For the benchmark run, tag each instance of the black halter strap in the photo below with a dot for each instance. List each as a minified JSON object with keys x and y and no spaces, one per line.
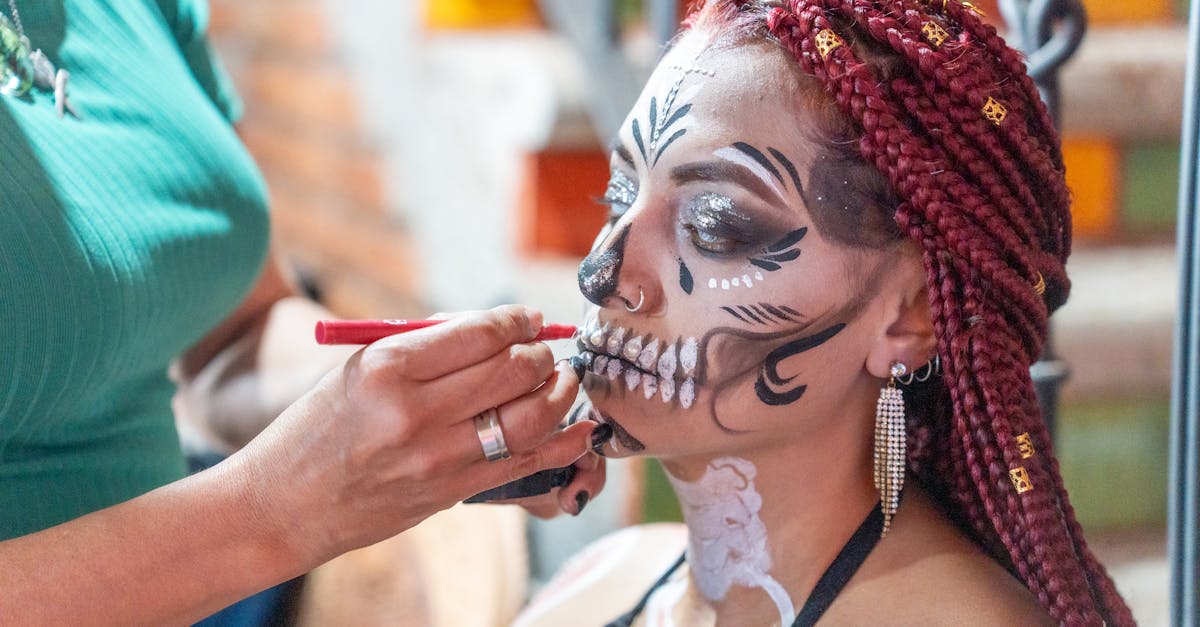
{"x":847,"y":562}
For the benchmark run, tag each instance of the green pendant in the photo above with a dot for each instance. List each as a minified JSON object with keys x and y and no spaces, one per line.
{"x":16,"y":68}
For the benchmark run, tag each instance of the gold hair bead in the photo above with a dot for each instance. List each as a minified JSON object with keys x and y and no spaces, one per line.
{"x":978,"y":11}
{"x":994,"y":111}
{"x":827,"y":41}
{"x":1020,"y":480}
{"x":1040,"y":286}
{"x":934,"y":33}
{"x":1025,"y":445}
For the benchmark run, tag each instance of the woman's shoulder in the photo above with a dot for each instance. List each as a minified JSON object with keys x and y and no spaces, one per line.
{"x":608,"y":577}
{"x":925,"y":572}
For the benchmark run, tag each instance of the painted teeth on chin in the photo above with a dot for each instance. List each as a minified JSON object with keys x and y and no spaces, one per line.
{"x":649,"y":356}
{"x":632,"y":349}
{"x":615,"y":341}
{"x":596,"y":339}
{"x":632,"y":379}
{"x":666,"y":364}
{"x":687,"y":356}
{"x":687,"y":393}
{"x":666,"y":390}
{"x":649,"y":385}
{"x":600,"y":364}
{"x":614,"y":369}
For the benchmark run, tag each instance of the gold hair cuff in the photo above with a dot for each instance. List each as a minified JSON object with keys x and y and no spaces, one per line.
{"x":994,"y":111}
{"x":827,"y":41}
{"x":1040,"y":286}
{"x":1020,"y":480}
{"x":1025,"y":445}
{"x":934,"y":33}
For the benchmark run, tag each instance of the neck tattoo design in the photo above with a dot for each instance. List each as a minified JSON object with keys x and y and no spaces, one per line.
{"x":727,"y":541}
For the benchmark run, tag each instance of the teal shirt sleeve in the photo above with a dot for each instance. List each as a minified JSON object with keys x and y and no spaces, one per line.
{"x":188,"y":20}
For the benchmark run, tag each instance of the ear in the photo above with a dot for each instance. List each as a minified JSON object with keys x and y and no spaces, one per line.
{"x":906,"y":327}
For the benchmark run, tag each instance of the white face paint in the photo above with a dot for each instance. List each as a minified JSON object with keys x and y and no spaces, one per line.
{"x":746,"y":280}
{"x":727,"y":541}
{"x":632,"y":359}
{"x":736,"y":156}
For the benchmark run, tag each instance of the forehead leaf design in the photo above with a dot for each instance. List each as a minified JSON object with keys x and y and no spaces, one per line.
{"x":662,"y":121}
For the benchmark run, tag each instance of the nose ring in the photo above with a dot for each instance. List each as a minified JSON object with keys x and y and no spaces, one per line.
{"x":641,"y":301}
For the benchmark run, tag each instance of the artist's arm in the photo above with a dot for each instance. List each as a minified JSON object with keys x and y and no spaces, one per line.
{"x":240,"y":376}
{"x":235,"y":381}
{"x":378,"y":445}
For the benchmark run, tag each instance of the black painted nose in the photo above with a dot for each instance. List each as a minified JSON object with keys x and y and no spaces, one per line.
{"x":600,"y":271}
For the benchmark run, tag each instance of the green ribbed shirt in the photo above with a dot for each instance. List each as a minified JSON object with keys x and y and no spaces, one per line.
{"x":124,"y":238}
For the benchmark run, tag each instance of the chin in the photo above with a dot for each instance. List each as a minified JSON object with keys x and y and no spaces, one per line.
{"x":600,"y":408}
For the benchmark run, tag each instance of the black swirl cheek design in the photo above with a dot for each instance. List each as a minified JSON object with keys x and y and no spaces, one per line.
{"x":786,"y":249}
{"x":769,"y":379}
{"x":600,"y":271}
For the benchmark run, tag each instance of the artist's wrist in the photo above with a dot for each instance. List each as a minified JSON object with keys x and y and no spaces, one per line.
{"x":266,"y":525}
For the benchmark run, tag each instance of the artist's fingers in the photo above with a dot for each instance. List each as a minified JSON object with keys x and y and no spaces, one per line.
{"x":531,"y":419}
{"x":561,"y":449}
{"x":510,"y":374}
{"x":590,"y":475}
{"x":433,"y":352}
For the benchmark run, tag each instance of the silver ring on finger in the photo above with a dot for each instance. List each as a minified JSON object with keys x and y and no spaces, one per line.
{"x":491,"y":436}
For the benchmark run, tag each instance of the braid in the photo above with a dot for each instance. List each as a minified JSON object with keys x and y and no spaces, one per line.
{"x":981,"y":190}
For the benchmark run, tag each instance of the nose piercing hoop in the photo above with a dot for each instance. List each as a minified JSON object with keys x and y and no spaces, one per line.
{"x":641,"y":301}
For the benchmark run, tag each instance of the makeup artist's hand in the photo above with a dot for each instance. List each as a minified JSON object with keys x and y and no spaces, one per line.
{"x":388,"y":439}
{"x":588,"y":480}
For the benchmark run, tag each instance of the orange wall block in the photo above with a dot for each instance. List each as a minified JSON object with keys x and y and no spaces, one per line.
{"x":1104,"y":12}
{"x":557,"y":211}
{"x":460,"y":14}
{"x":1093,"y":174}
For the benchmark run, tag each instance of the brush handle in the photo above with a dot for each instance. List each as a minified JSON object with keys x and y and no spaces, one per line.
{"x":367,"y":331}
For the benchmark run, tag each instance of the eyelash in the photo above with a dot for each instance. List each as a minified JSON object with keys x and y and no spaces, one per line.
{"x":725,"y":238}
{"x":621,"y":193}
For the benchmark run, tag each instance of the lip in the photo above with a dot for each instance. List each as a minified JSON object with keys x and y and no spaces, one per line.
{"x":633,"y":359}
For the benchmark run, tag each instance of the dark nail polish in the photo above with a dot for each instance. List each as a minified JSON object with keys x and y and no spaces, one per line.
{"x":601,"y":434}
{"x":581,"y":500}
{"x":578,"y":365}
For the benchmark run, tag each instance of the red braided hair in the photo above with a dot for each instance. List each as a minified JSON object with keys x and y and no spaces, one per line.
{"x":918,"y":86}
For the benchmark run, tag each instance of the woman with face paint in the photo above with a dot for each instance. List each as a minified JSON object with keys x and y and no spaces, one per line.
{"x":838,"y":228}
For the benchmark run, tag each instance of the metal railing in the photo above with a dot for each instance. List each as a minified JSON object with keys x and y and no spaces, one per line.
{"x":1183,"y":505}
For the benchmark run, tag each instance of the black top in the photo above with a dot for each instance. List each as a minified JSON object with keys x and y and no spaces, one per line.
{"x":828,"y":586}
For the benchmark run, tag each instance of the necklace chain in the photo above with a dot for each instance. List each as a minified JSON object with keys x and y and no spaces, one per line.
{"x":16,"y":16}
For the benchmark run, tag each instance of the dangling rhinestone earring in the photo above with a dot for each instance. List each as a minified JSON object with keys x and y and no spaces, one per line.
{"x":891,"y":445}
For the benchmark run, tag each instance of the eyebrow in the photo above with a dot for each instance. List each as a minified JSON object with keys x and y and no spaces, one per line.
{"x":727,"y":171}
{"x":621,"y":151}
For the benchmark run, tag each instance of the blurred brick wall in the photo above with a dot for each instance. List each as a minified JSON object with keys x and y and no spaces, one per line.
{"x":330,"y":205}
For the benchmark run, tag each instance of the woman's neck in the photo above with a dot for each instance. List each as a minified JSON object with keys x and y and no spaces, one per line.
{"x":764,"y":526}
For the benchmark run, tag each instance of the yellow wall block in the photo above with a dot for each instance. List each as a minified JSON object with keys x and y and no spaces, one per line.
{"x":453,"y":14}
{"x":1129,"y":11}
{"x":1093,"y":174}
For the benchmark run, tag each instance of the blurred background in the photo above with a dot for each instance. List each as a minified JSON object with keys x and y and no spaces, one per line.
{"x":443,"y":155}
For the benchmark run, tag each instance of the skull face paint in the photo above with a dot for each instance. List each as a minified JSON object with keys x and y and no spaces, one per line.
{"x":750,"y":309}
